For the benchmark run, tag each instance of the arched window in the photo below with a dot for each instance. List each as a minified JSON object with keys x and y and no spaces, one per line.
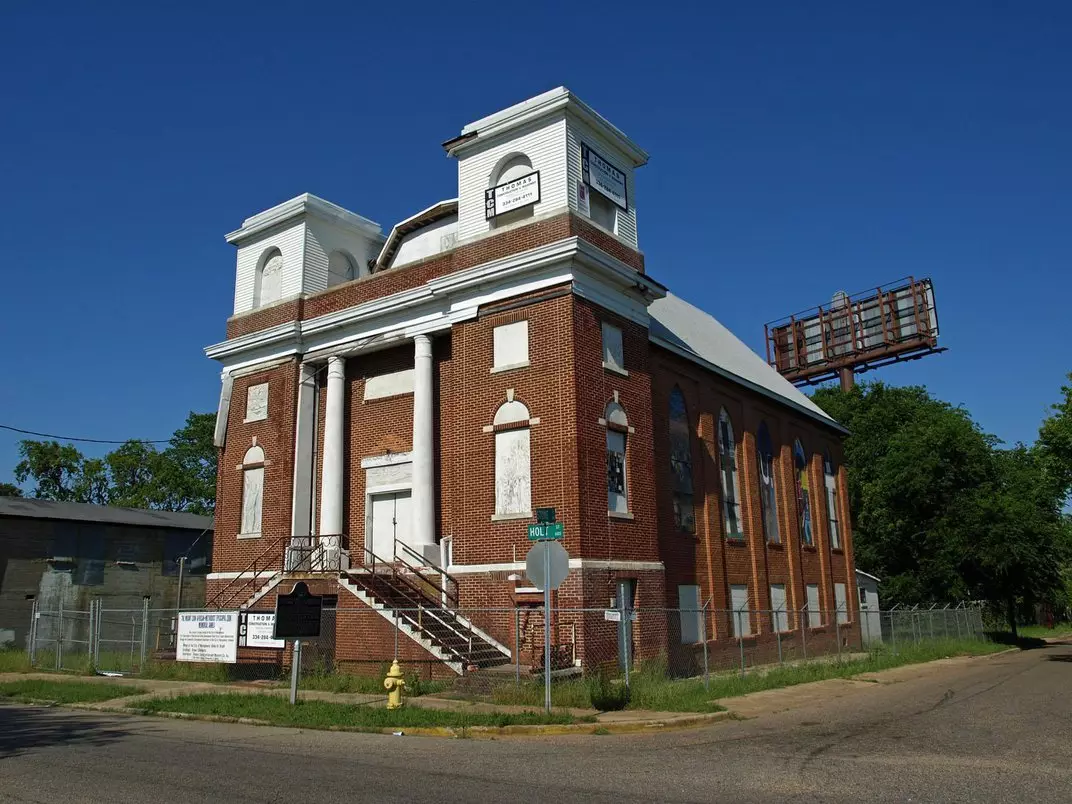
{"x":800,"y":464}
{"x":731,"y":488}
{"x":252,"y":490}
{"x":681,"y":462}
{"x":830,"y":481}
{"x":340,"y":268}
{"x":268,"y":283}
{"x":513,"y":472}
{"x":617,"y":478}
{"x":768,"y":499}
{"x":512,"y":167}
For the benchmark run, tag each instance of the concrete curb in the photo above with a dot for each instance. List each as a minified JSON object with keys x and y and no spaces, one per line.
{"x":456,"y":732}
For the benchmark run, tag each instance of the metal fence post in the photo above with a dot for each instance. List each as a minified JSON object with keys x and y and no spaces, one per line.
{"x":837,"y":632}
{"x":517,"y":647}
{"x":703,"y":632}
{"x":805,"y":623}
{"x":740,"y":638}
{"x":144,"y":632}
{"x":866,"y":617}
{"x":778,"y":635}
{"x":59,"y":640}
{"x":96,"y":637}
{"x":35,"y":614}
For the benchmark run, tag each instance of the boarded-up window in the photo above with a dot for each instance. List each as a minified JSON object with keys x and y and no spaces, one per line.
{"x":815,"y":612}
{"x":731,"y":488}
{"x":779,"y":612}
{"x":767,"y":496}
{"x":688,"y":603}
{"x":842,"y":601}
{"x":830,"y":481}
{"x":800,"y":465}
{"x":742,"y":618}
{"x":510,"y":344}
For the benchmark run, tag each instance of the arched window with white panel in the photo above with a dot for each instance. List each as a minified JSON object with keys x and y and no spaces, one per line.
{"x":268,"y":283}
{"x":731,"y":484}
{"x":341,"y":268}
{"x":617,"y":425}
{"x":513,"y":460}
{"x":510,"y":168}
{"x":252,"y":491}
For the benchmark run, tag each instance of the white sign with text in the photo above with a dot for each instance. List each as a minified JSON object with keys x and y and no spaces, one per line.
{"x":258,"y":630}
{"x":512,"y":195}
{"x":207,"y":636}
{"x":603,"y":177}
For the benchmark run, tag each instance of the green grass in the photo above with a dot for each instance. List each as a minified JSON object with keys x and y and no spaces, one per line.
{"x":652,"y":690}
{"x":369,"y":685}
{"x":323,"y":715}
{"x":1042,"y":632}
{"x":65,"y":691}
{"x":15,"y":661}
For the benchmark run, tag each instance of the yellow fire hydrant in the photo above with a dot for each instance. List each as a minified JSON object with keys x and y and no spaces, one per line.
{"x":394,"y":684}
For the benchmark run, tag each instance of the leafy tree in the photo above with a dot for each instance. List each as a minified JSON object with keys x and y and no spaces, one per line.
{"x":10,"y":490}
{"x":1055,"y":443}
{"x":914,"y":465}
{"x":182,"y":477}
{"x":54,"y":468}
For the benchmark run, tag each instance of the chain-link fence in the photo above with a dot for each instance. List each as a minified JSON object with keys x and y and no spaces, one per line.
{"x":479,"y":650}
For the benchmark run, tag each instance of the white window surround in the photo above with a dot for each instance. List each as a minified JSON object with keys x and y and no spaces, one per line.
{"x":256,"y":403}
{"x":392,"y":383}
{"x":252,"y":492}
{"x":513,"y":461}
{"x":510,"y":346}
{"x":613,"y":351}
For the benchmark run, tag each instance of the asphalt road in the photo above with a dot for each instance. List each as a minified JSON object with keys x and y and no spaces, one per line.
{"x":997,"y":729}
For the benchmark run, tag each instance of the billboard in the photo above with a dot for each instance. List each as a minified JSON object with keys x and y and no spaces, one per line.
{"x":207,"y":636}
{"x":883,"y":325}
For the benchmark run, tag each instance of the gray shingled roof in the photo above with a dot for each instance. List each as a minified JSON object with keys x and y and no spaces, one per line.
{"x":698,"y":336}
{"x":83,"y":512}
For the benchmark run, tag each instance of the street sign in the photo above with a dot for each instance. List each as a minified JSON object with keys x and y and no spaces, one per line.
{"x":297,"y":615}
{"x":547,"y":565}
{"x":552,"y":530}
{"x":546,"y":515}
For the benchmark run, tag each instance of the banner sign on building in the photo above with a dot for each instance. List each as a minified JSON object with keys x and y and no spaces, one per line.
{"x":207,"y":636}
{"x":583,"y":204}
{"x":512,"y":195}
{"x":256,"y":629}
{"x":603,"y":177}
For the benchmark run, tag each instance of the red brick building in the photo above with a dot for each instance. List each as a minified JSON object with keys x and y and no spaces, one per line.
{"x":394,"y":410}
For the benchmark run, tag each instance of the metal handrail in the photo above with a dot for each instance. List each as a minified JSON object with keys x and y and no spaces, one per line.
{"x":242,"y":576}
{"x":435,"y":568}
{"x":424,"y":604}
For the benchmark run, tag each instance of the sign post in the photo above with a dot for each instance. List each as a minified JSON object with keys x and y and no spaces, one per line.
{"x":297,"y":615}
{"x":547,"y":565}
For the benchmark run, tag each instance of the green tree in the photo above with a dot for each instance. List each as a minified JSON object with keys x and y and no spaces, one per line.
{"x":914,"y":464}
{"x":10,"y":490}
{"x":1055,"y":443}
{"x":182,"y":477}
{"x":54,"y":468}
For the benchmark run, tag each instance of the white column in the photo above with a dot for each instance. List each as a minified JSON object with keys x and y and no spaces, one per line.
{"x":423,"y":521}
{"x":331,"y":484}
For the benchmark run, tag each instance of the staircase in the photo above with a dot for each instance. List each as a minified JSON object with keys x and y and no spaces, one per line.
{"x":421,"y":597}
{"x":263,"y":572}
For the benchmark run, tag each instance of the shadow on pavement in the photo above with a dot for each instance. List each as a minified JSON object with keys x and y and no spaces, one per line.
{"x":26,"y":727}
{"x":1023,"y":643}
{"x":1060,"y":657}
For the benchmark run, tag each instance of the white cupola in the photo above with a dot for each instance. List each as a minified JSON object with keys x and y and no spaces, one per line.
{"x":541,"y":157}
{"x":302,"y":246}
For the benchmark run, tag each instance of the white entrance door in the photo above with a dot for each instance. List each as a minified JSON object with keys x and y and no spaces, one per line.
{"x":390,"y":520}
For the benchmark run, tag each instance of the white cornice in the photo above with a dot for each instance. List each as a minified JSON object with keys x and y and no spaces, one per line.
{"x":539,"y":107}
{"x":304,"y":204}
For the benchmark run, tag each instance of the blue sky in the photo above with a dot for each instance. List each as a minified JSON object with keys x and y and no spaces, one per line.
{"x":797,"y":148}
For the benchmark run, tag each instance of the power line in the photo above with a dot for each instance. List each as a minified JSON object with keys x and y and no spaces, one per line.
{"x":87,"y":440}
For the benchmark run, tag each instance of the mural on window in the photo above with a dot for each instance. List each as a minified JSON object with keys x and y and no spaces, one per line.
{"x":513,"y":478}
{"x":681,"y":462}
{"x":767,"y":496}
{"x":731,"y":490}
{"x":617,"y":488}
{"x":831,"y":502}
{"x":800,"y":462}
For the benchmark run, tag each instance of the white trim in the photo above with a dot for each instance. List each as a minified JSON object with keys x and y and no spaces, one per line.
{"x":509,"y":367}
{"x":508,"y":517}
{"x":868,"y":575}
{"x":256,"y":535}
{"x":620,"y":515}
{"x":583,"y":564}
{"x":391,"y":459}
{"x":615,"y":369}
{"x":304,"y":204}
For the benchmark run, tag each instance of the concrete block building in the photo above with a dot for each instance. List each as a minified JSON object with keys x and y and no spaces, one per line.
{"x":394,"y":409}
